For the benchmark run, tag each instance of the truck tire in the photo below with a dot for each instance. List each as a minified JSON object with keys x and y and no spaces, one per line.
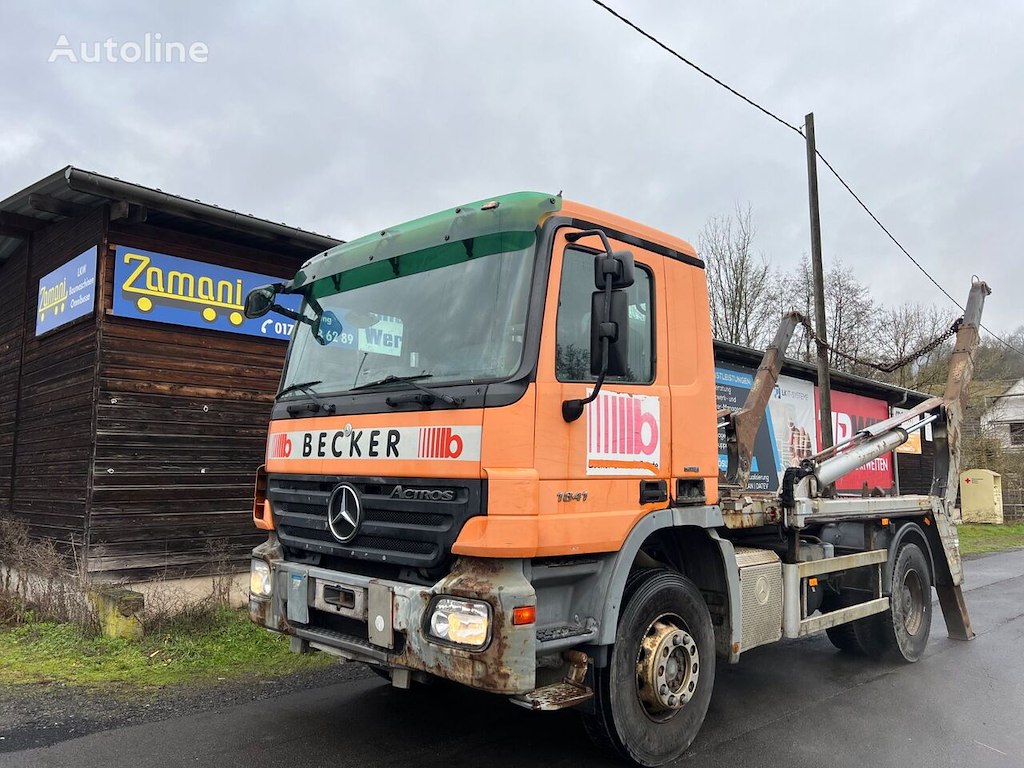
{"x":901,"y":633}
{"x":843,"y":636}
{"x":651,"y":698}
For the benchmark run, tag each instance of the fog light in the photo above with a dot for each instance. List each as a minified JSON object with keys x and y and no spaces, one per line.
{"x":463,"y":622}
{"x":259,"y":578}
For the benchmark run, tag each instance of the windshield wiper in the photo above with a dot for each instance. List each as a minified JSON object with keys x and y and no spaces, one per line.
{"x":391,"y":379}
{"x":412,"y":380}
{"x":306,"y":386}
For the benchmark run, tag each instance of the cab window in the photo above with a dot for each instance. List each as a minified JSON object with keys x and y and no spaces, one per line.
{"x":572,"y":335}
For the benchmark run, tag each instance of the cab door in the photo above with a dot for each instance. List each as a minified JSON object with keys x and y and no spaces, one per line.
{"x":600,"y":473}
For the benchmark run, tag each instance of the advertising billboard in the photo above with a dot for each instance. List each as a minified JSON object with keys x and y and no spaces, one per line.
{"x":850,"y":414}
{"x":786,"y":435}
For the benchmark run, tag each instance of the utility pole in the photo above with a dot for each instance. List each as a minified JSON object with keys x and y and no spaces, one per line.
{"x":824,"y":385}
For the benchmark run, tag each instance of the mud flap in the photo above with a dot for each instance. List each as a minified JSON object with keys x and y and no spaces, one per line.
{"x":950,"y":590}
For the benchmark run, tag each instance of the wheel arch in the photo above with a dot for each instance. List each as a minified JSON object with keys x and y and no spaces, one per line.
{"x":685,"y":540}
{"x":908,"y":533}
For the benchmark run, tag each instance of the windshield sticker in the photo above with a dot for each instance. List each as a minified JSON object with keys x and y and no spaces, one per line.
{"x":331,"y":330}
{"x":383,"y":338}
{"x":623,"y":434}
{"x":455,"y":443}
{"x":379,"y":334}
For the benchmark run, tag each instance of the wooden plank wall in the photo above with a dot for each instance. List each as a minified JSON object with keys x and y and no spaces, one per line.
{"x":12,"y":329}
{"x":181,"y":421}
{"x":53,"y":439}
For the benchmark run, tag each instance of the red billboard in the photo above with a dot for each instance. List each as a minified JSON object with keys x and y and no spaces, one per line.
{"x":850,"y":414}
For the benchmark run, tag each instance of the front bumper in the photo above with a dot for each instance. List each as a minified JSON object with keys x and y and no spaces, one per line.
{"x":384,"y":622}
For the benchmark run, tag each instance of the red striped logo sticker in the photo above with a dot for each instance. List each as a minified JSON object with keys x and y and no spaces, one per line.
{"x":623,"y":434}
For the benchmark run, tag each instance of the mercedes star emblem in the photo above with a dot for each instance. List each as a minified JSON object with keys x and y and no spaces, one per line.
{"x":344,"y":513}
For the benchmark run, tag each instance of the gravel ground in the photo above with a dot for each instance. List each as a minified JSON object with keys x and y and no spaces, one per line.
{"x":41,"y":715}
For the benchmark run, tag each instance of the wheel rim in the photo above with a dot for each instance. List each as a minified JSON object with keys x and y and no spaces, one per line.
{"x":667,"y":667}
{"x":912,"y":601}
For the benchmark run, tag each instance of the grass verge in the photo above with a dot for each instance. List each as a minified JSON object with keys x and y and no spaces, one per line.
{"x":225,"y":644}
{"x":978,"y":539}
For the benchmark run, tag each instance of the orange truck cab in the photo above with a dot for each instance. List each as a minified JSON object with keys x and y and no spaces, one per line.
{"x":494,"y":459}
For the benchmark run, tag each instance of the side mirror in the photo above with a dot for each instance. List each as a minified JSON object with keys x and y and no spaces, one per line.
{"x":259,"y":301}
{"x":619,"y":265}
{"x":615,"y":328}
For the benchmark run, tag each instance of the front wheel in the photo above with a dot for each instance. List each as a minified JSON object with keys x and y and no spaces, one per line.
{"x":651,"y":698}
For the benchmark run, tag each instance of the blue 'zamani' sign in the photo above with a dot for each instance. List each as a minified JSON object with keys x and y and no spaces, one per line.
{"x":167,"y":289}
{"x":67,"y":293}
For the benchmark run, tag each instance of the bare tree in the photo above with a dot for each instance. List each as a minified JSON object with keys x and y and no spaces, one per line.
{"x":742,"y":286}
{"x":907,"y":327}
{"x":849,"y":314}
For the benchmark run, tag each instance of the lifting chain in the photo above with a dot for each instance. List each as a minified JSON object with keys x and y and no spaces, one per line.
{"x":885,"y":366}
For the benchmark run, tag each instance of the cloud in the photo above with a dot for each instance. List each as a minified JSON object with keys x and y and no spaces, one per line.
{"x":344,"y":117}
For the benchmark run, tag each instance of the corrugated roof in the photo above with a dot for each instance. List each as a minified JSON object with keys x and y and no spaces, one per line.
{"x":91,"y":189}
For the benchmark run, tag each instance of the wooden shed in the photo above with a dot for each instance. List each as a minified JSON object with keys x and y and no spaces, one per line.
{"x":134,"y":397}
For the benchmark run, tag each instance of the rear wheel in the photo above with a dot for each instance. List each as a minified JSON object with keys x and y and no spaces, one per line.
{"x":651,"y":698}
{"x":901,"y":633}
{"x":843,"y":636}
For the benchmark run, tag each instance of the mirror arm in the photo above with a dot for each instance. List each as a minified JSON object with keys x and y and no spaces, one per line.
{"x":572,"y":237}
{"x":289,"y":313}
{"x":573,"y":409}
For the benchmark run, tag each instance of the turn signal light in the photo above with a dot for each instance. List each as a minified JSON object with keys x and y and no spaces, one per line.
{"x":526,"y":614}
{"x":262,"y":514}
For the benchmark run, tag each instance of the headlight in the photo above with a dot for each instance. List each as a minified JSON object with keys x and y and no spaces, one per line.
{"x":463,"y":622}
{"x":259,"y":578}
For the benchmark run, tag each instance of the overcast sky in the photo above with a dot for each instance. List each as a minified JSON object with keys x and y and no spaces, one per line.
{"x":344,"y":117}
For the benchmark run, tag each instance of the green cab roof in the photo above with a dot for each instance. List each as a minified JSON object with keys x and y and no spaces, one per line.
{"x":517,"y":212}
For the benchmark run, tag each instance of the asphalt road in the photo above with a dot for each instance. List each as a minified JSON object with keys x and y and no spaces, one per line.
{"x":797,"y":703}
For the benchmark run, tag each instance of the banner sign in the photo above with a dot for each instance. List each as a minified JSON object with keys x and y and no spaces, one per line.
{"x":67,"y":293}
{"x":850,"y":414}
{"x":792,"y":413}
{"x":167,"y":289}
{"x":791,"y":431}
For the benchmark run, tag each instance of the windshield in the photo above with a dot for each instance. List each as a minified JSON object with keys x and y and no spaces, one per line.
{"x":452,"y":313}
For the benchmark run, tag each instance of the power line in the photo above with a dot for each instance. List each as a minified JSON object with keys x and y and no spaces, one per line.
{"x":689,"y":63}
{"x":887,"y":232}
{"x":668,"y":49}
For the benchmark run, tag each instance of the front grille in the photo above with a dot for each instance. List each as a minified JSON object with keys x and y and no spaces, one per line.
{"x":397,"y":531}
